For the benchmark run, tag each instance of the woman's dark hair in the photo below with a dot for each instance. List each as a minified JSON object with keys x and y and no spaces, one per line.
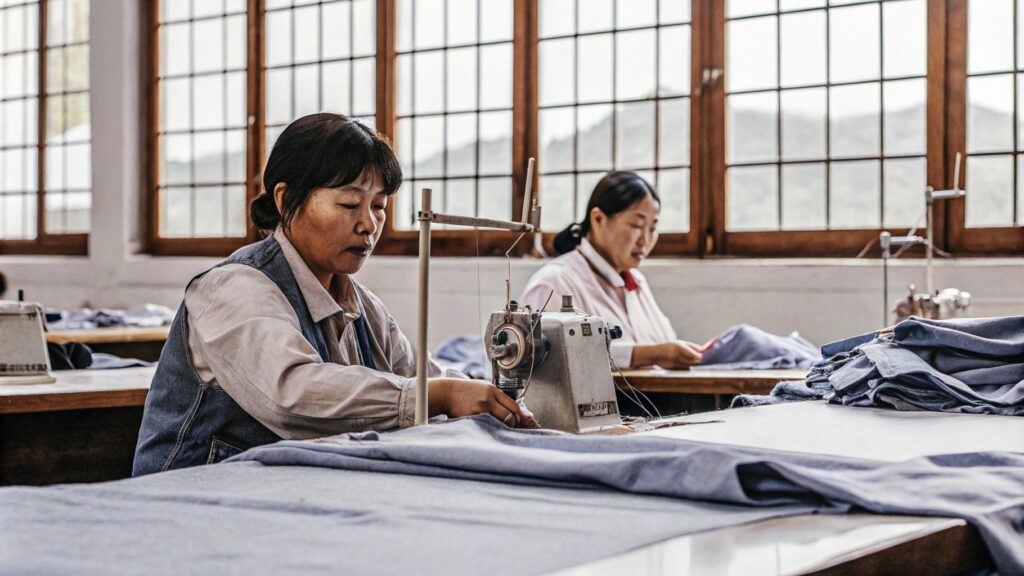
{"x":615,"y":192}
{"x":321,"y":151}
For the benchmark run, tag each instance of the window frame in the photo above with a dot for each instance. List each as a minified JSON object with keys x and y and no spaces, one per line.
{"x":945,"y":118}
{"x":76,"y":244}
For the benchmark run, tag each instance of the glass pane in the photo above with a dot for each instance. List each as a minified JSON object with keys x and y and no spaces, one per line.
{"x":208,"y":95}
{"x":989,"y":36}
{"x":56,"y":170}
{"x":636,"y":13}
{"x":803,"y":124}
{"x":429,"y":88}
{"x":77,"y":213}
{"x":336,"y":89}
{"x":673,"y":11}
{"x":854,"y":43}
{"x":235,"y":101}
{"x":495,"y":20}
{"x":176,"y":104}
{"x":236,"y":43}
{"x":594,"y":81}
{"x":175,"y":48}
{"x":462,"y":19}
{"x":737,"y":8}
{"x":495,"y":198}
{"x":428,"y":21}
{"x":175,"y":212}
{"x":207,"y":8}
{"x":56,"y":69}
{"x":462,"y":145}
{"x":989,"y":191}
{"x":335,"y":31}
{"x":279,"y":96}
{"x":364,"y":32}
{"x":751,"y":129}
{"x":236,"y":147}
{"x":597,"y":15}
{"x":556,"y":196}
{"x":635,"y":65}
{"x":752,"y":62}
{"x":404,"y":218}
{"x":990,"y":113}
{"x":785,"y":5}
{"x":855,"y":120}
{"x":403,"y":25}
{"x":905,"y":117}
{"x":428,"y":141}
{"x":557,"y":131}
{"x":462,"y":86}
{"x":208,"y":45}
{"x":278,"y":29}
{"x":556,"y":72}
{"x":364,"y":72}
{"x":557,"y":17}
{"x":307,"y":44}
{"x":55,"y":212}
{"x":236,"y":213}
{"x":674,"y":61}
{"x":803,"y":48}
{"x":674,"y":132}
{"x":403,"y":145}
{"x":77,"y":68}
{"x":585,"y":185}
{"x":175,"y":10}
{"x":209,"y":211}
{"x":461,"y":197}
{"x":803,"y":196}
{"x":634,"y":136}
{"x":403,"y":84}
{"x":496,"y":143}
{"x":495,"y":76}
{"x":906,"y":38}
{"x":752,"y":198}
{"x":176,"y":158}
{"x":307,"y":82}
{"x":855,"y":196}
{"x":209,"y":160}
{"x":674,"y":189}
{"x":594,"y":137}
{"x":904,"y":193}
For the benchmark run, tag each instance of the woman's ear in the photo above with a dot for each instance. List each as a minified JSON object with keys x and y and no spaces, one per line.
{"x":597,"y":218}
{"x":279,"y":191}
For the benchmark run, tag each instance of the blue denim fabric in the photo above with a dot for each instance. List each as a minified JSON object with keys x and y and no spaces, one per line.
{"x":187,"y":422}
{"x":964,"y":365}
{"x":748,"y":347}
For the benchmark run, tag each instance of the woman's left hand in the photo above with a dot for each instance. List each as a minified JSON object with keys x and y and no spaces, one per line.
{"x":457,"y":397}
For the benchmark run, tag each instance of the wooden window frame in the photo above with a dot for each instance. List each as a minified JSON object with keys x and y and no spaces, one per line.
{"x":54,"y":244}
{"x":962,"y":240}
{"x":707,"y":235}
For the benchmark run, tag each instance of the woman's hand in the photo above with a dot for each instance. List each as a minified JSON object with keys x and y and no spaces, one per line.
{"x":673,"y":355}
{"x":457,"y":397}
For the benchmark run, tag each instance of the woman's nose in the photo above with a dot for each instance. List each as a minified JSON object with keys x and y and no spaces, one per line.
{"x":367,"y":223}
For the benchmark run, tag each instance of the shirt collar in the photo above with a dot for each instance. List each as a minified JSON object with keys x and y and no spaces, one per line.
{"x":321,"y":303}
{"x":599,"y":264}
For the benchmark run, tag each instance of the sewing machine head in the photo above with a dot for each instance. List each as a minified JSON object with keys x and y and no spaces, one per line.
{"x":557,"y":363}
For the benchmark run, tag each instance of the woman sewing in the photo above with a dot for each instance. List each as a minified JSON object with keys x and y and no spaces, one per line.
{"x":598,"y":264}
{"x":278,"y":341}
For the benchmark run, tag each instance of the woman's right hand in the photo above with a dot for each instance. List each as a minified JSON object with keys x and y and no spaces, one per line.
{"x":457,"y":397}
{"x":674,"y":355}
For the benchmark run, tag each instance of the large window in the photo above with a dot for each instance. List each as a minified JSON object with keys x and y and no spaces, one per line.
{"x":769,"y":127}
{"x":229,"y":76}
{"x":45,"y":155}
{"x":454,"y":106}
{"x":614,"y":85}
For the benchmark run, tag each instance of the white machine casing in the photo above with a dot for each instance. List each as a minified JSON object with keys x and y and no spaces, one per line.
{"x":572,"y":389}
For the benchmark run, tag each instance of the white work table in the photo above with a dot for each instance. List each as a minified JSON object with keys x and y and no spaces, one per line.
{"x":855,"y":543}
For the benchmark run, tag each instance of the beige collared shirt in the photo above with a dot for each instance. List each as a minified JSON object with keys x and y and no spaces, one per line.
{"x":244,"y":336}
{"x":599,"y":290}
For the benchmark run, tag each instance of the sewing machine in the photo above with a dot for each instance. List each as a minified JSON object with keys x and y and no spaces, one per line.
{"x":23,"y":356}
{"x":557,"y":363}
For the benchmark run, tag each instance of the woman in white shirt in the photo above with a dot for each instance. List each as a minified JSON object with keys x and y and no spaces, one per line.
{"x":598,"y":267}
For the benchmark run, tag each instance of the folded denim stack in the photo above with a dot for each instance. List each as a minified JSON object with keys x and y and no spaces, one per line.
{"x":973,"y":365}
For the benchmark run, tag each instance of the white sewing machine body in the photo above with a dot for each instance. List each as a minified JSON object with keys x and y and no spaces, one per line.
{"x":557,"y":363}
{"x":23,"y":356}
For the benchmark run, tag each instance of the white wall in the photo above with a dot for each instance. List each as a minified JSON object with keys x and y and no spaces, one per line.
{"x":823,"y":299}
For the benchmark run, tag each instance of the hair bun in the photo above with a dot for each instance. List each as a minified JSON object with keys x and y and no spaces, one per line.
{"x":263,"y":212}
{"x":567,"y":240}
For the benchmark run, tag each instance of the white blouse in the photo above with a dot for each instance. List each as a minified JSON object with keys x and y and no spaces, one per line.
{"x":600,"y":291}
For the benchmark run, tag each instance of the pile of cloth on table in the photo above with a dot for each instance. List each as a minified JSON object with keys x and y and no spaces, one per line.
{"x":143,"y":316}
{"x":973,"y":365}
